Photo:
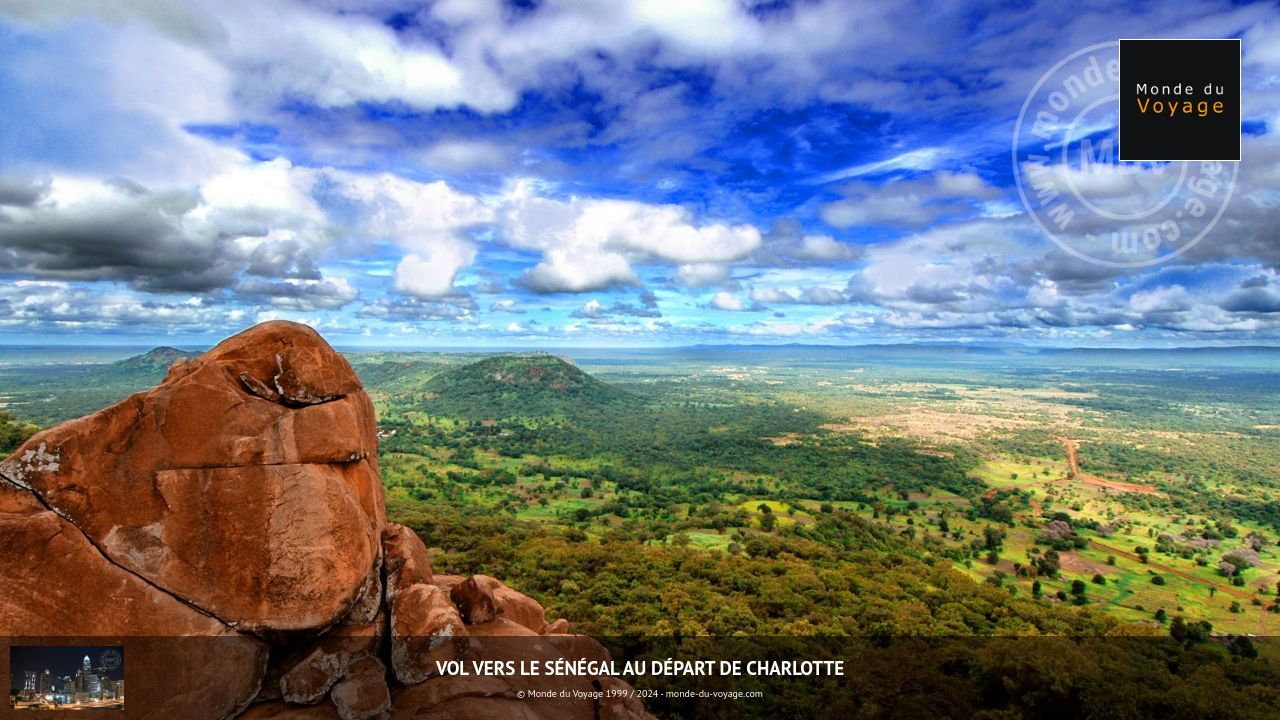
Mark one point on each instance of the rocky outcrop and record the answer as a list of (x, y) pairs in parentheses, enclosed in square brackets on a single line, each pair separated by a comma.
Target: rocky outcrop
[(481, 598), (228, 527), (263, 511)]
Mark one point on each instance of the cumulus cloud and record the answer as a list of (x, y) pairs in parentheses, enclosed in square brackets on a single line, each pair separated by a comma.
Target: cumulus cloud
[(430, 220), (812, 295), (818, 295), (724, 300), (412, 309), (506, 305), (595, 310), (299, 294), (575, 272), (697, 275), (54, 306), (254, 218), (1253, 300), (591, 310), (431, 274), (589, 244), (773, 296), (787, 245)]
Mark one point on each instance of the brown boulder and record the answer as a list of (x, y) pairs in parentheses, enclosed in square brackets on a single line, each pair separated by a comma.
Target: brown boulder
[(346, 640), (58, 585), (481, 598), (500, 627), (425, 628), (310, 679), (245, 484), (447, 582), (363, 692), (407, 560)]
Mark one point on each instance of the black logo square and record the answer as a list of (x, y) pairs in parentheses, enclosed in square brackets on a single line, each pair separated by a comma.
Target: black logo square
[(1179, 100)]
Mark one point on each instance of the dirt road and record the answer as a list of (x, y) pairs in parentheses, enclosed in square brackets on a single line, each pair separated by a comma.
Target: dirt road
[(1097, 481)]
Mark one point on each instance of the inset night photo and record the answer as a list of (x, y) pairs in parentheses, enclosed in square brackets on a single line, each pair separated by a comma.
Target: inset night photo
[(66, 677)]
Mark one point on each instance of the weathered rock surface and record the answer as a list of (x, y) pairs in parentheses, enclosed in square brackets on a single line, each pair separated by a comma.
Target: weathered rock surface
[(265, 512), (57, 584), (407, 560), (228, 527), (363, 692), (425, 629), (481, 598), (310, 679)]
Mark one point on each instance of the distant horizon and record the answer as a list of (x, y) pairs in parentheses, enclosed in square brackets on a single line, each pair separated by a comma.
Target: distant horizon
[(145, 347)]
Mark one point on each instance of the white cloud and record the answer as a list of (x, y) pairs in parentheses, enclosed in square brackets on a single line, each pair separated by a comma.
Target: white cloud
[(275, 184), (564, 270), (1173, 298), (431, 274), (37, 305), (919, 159), (771, 296), (427, 219), (338, 60), (727, 301), (589, 244), (592, 309), (909, 203), (696, 275), (505, 305), (251, 217)]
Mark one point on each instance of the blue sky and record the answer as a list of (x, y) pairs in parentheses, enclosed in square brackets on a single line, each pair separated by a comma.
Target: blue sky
[(592, 173)]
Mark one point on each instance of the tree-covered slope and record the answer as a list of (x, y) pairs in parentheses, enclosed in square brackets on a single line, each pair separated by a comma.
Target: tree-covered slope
[(519, 385)]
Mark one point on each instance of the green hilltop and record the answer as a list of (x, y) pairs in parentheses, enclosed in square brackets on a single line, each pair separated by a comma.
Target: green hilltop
[(145, 370), (536, 385)]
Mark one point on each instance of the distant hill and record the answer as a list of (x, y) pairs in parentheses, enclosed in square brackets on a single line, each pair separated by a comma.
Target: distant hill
[(512, 385), (143, 370)]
